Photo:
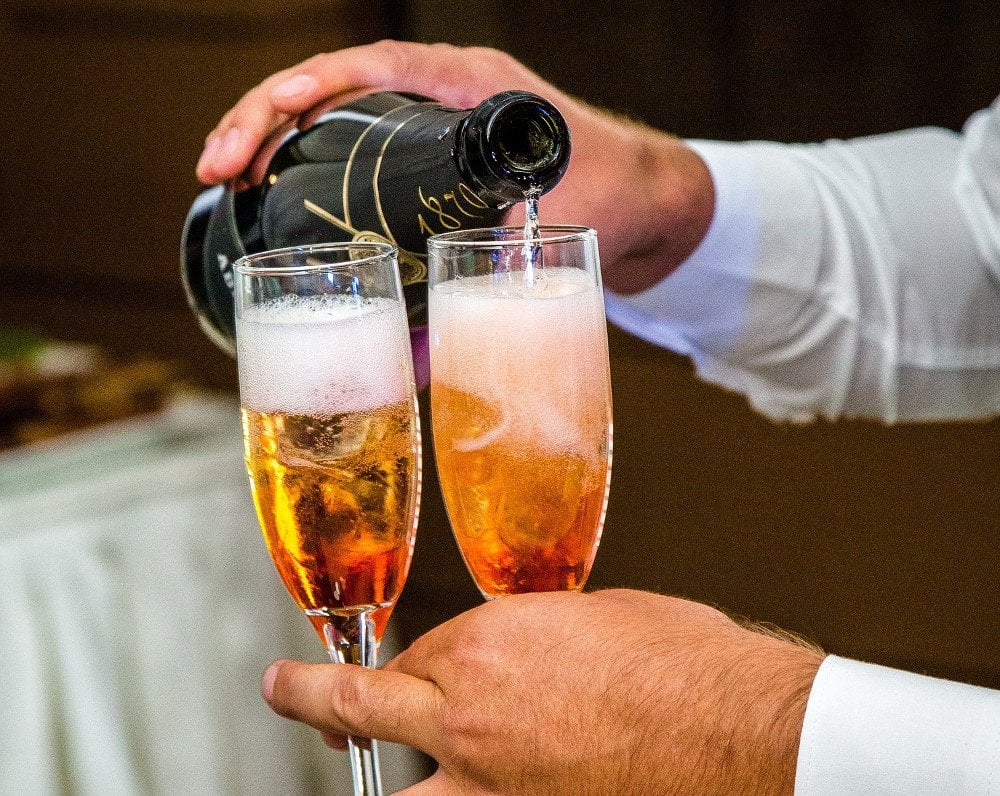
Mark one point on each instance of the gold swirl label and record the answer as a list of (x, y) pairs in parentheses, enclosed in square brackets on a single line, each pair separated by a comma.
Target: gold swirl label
[(411, 268), (365, 236)]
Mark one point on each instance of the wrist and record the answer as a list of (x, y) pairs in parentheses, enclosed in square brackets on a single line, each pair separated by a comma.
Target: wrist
[(760, 737), (673, 199), (733, 721)]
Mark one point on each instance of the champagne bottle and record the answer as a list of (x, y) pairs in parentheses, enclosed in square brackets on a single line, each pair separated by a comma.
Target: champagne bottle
[(388, 166)]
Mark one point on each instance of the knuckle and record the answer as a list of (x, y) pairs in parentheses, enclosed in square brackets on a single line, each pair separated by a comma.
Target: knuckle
[(444, 49), (480, 649), (484, 53), (248, 106), (612, 598), (315, 62), (348, 700), (390, 56), (477, 653), (489, 56)]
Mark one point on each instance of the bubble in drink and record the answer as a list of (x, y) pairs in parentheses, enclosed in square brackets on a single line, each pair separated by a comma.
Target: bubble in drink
[(323, 353), (522, 424), (332, 442)]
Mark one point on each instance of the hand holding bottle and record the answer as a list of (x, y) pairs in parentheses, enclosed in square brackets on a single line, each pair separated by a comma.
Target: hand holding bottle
[(649, 196)]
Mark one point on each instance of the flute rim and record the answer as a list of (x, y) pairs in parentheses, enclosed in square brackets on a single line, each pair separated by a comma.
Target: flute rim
[(560, 233), (255, 265)]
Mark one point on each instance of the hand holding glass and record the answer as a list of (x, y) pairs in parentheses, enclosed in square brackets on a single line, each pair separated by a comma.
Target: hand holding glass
[(521, 403), (332, 439)]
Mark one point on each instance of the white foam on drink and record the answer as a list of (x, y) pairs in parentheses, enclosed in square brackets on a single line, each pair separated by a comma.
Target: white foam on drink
[(536, 352), (323, 355)]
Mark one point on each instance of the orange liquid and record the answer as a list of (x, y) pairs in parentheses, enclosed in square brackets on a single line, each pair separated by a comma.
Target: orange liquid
[(521, 411), (525, 519), (336, 498)]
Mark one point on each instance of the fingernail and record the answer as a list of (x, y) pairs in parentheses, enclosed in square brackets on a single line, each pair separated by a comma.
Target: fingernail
[(267, 681), (211, 150), (231, 142), (294, 86)]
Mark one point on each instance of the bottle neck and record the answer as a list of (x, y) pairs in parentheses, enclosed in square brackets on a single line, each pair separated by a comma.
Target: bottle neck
[(512, 143)]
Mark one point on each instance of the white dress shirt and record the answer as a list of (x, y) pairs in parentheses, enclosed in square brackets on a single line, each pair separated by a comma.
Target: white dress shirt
[(855, 278), (874, 730)]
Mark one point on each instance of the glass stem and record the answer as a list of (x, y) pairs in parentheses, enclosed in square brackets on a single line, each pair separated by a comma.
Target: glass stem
[(351, 639)]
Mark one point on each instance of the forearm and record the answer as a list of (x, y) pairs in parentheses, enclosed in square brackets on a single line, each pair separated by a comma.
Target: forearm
[(836, 279), (663, 210)]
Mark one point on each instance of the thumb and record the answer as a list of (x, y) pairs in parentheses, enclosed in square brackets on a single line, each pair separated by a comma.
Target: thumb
[(344, 699)]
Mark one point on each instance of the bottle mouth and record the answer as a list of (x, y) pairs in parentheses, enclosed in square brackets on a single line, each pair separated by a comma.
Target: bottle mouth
[(512, 143), (527, 136)]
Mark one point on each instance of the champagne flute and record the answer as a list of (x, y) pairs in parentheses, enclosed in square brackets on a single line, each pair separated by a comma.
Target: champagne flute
[(521, 402), (332, 439)]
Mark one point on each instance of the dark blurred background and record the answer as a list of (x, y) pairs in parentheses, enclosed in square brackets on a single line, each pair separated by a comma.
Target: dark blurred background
[(878, 542)]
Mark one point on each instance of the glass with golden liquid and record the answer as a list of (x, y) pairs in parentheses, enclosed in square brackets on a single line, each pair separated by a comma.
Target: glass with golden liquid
[(332, 439), (521, 403)]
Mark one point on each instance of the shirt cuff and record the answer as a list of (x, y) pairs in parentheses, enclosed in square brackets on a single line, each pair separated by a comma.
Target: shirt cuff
[(871, 729), (703, 302)]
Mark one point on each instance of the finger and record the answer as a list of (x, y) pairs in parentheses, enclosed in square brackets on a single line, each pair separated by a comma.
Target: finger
[(338, 742), (247, 135), (268, 108), (344, 699), (308, 118), (255, 172), (440, 71), (228, 152), (231, 145), (221, 157)]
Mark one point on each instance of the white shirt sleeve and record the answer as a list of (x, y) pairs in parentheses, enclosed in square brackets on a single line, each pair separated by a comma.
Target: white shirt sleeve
[(850, 278), (869, 729)]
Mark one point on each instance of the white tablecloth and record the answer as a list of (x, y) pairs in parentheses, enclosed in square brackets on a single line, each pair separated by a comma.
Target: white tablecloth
[(138, 609)]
